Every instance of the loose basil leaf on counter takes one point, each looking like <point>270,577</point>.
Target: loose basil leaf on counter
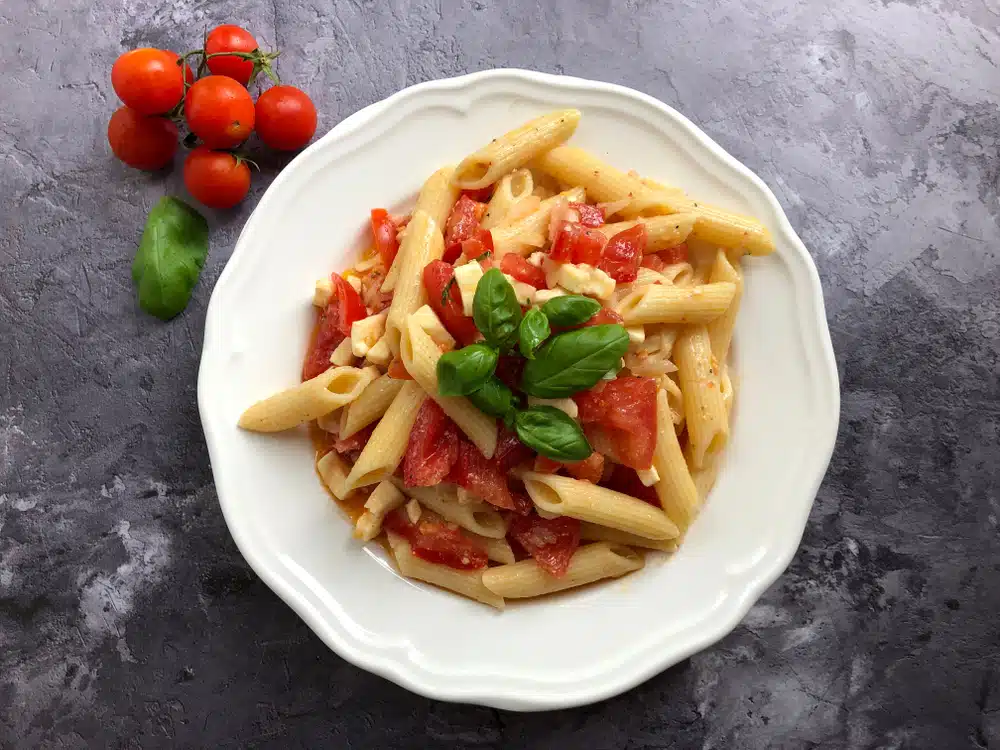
<point>574,361</point>
<point>462,371</point>
<point>494,398</point>
<point>570,310</point>
<point>533,331</point>
<point>170,257</point>
<point>495,310</point>
<point>552,433</point>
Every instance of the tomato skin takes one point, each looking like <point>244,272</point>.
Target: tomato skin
<point>551,542</point>
<point>352,309</point>
<point>590,216</point>
<point>575,243</point>
<point>439,543</point>
<point>141,141</point>
<point>590,469</point>
<point>510,451</point>
<point>397,370</point>
<point>328,338</point>
<point>230,38</point>
<point>653,261</point>
<point>355,442</point>
<point>480,195</point>
<point>148,80</point>
<point>219,111</point>
<point>623,254</point>
<point>624,479</point>
<point>626,408</point>
<point>484,479</point>
<point>285,118</point>
<point>384,232</point>
<point>516,266</point>
<point>216,178</point>
<point>432,448</point>
<point>437,276</point>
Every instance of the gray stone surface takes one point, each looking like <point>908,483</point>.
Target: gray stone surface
<point>129,619</point>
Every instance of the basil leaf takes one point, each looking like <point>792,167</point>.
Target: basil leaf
<point>495,310</point>
<point>570,310</point>
<point>574,361</point>
<point>170,257</point>
<point>552,433</point>
<point>533,331</point>
<point>494,398</point>
<point>464,370</point>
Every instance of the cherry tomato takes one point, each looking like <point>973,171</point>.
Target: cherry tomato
<point>219,111</point>
<point>216,178</point>
<point>286,118</point>
<point>141,141</point>
<point>148,80</point>
<point>188,73</point>
<point>229,38</point>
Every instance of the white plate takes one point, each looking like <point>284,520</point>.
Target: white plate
<point>583,646</point>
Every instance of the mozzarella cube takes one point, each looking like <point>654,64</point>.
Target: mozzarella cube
<point>323,292</point>
<point>566,405</point>
<point>636,335</point>
<point>580,279</point>
<point>366,332</point>
<point>355,281</point>
<point>537,259</point>
<point>467,279</point>
<point>413,510</point>
<point>544,295</point>
<point>429,322</point>
<point>380,354</point>
<point>525,293</point>
<point>649,476</point>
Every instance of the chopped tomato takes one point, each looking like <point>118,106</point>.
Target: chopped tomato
<point>327,338</point>
<point>623,254</point>
<point>443,544</point>
<point>516,266</point>
<point>384,231</point>
<point>624,479</point>
<point>509,369</point>
<point>590,216</point>
<point>626,408</point>
<point>575,243</point>
<point>352,308</point>
<point>439,276</point>
<point>676,254</point>
<point>591,469</point>
<point>432,449</point>
<point>653,261</point>
<point>464,220</point>
<point>397,370</point>
<point>545,465</point>
<point>481,195</point>
<point>550,541</point>
<point>510,451</point>
<point>473,248</point>
<point>604,316</point>
<point>355,442</point>
<point>484,479</point>
<point>371,290</point>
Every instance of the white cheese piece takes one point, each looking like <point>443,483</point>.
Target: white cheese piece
<point>525,293</point>
<point>544,295</point>
<point>536,259</point>
<point>649,476</point>
<point>413,510</point>
<point>566,405</point>
<point>323,292</point>
<point>426,318</point>
<point>343,356</point>
<point>366,332</point>
<point>355,281</point>
<point>380,354</point>
<point>579,279</point>
<point>467,279</point>
<point>636,334</point>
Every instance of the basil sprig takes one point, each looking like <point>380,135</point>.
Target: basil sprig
<point>574,361</point>
<point>464,370</point>
<point>533,331</point>
<point>495,310</point>
<point>570,310</point>
<point>551,433</point>
<point>494,398</point>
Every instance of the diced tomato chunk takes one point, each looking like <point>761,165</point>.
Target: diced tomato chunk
<point>516,266</point>
<point>384,232</point>
<point>624,479</point>
<point>509,369</point>
<point>352,308</point>
<point>510,451</point>
<point>626,408</point>
<point>397,370</point>
<point>355,442</point>
<point>589,469</point>
<point>551,542</point>
<point>623,254</point>
<point>440,543</point>
<point>483,478</point>
<point>438,276</point>
<point>481,195</point>
<point>604,316</point>
<point>676,254</point>
<point>432,448</point>
<point>464,220</point>
<point>575,243</point>
<point>545,465</point>
<point>327,338</point>
<point>653,261</point>
<point>590,216</point>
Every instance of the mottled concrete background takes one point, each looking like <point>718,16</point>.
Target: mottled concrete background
<point>129,619</point>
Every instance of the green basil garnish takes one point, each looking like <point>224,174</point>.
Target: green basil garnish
<point>574,361</point>
<point>533,331</point>
<point>552,433</point>
<point>494,398</point>
<point>170,256</point>
<point>495,310</point>
<point>464,370</point>
<point>570,310</point>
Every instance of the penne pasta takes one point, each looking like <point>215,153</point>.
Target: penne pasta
<point>478,517</point>
<point>531,232</point>
<point>387,444</point>
<point>720,330</point>
<point>369,406</point>
<point>468,583</point>
<point>512,189</point>
<point>662,232</point>
<point>704,478</point>
<point>424,243</point>
<point>515,149</point>
<point>305,402</point>
<point>663,303</point>
<point>333,470</point>
<point>592,532</point>
<point>704,411</point>
<point>385,499</point>
<point>675,488</point>
<point>721,227</point>
<point>589,563</point>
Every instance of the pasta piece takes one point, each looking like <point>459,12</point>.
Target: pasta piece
<point>675,399</point>
<point>424,243</point>
<point>704,478</point>
<point>720,330</point>
<point>343,355</point>
<point>369,406</point>
<point>478,517</point>
<point>305,402</point>
<point>331,422</point>
<point>512,189</point>
<point>662,303</point>
<point>704,412</point>
<point>675,488</point>
<point>721,227</point>
<point>662,232</point>
<point>531,232</point>
<point>497,550</point>
<point>385,499</point>
<point>465,582</point>
<point>678,274</point>
<point>562,496</point>
<point>592,532</point>
<point>387,444</point>
<point>333,470</point>
<point>515,149</point>
<point>420,356</point>
<point>590,563</point>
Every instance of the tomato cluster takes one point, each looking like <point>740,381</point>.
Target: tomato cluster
<point>161,92</point>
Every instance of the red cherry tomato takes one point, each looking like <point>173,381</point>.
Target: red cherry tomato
<point>148,80</point>
<point>219,111</point>
<point>516,266</point>
<point>575,243</point>
<point>352,308</point>
<point>623,254</point>
<point>439,276</point>
<point>286,118</point>
<point>143,142</point>
<point>384,232</point>
<point>230,38</point>
<point>216,178</point>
